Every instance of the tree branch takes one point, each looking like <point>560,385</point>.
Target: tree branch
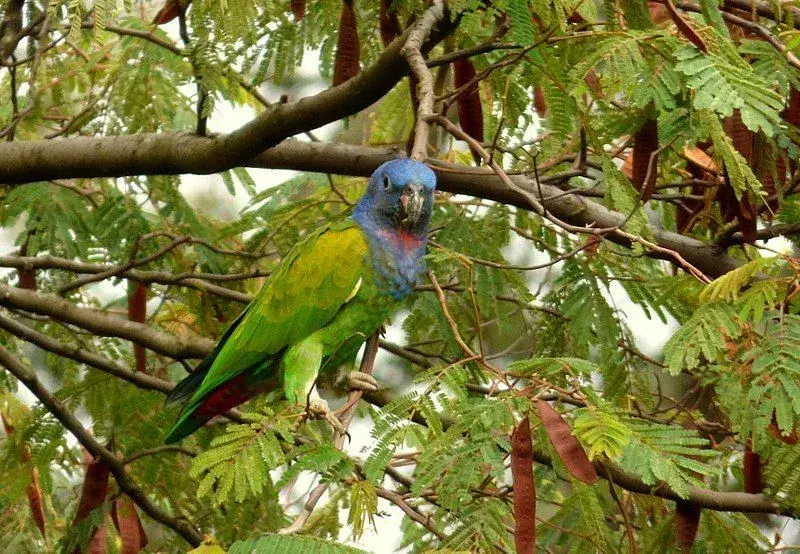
<point>346,159</point>
<point>177,153</point>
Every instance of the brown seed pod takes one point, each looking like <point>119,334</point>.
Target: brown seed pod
<point>348,49</point>
<point>137,311</point>
<point>93,495</point>
<point>792,112</point>
<point>470,111</point>
<point>389,24</point>
<point>128,525</point>
<point>569,450</point>
<point>298,9</point>
<point>35,502</point>
<point>645,145</point>
<point>753,482</point>
<point>171,10</point>
<point>539,102</point>
<point>687,517</point>
<point>524,488</point>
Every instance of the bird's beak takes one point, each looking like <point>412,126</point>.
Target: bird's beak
<point>411,202</point>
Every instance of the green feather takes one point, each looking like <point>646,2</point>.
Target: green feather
<point>321,299</point>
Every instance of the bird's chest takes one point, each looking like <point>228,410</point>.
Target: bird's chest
<point>397,262</point>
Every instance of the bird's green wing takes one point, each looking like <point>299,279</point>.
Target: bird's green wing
<point>310,285</point>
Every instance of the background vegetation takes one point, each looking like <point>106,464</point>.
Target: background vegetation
<point>596,160</point>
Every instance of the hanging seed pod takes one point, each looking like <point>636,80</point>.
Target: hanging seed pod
<point>129,526</point>
<point>753,482</point>
<point>35,501</point>
<point>687,517</point>
<point>137,311</point>
<point>389,24</point>
<point>645,144</point>
<point>569,450</point>
<point>658,13</point>
<point>346,64</point>
<point>27,278</point>
<point>470,111</point>
<point>524,488</point>
<point>93,495</point>
<point>792,112</point>
<point>539,102</point>
<point>171,10</point>
<point>298,9</point>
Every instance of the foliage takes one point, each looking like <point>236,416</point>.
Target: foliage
<point>662,375</point>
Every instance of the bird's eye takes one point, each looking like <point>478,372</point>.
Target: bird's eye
<point>387,183</point>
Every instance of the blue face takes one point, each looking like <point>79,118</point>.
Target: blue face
<point>401,192</point>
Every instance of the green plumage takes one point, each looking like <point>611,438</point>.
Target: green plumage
<point>314,313</point>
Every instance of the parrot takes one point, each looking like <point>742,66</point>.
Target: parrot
<point>334,288</point>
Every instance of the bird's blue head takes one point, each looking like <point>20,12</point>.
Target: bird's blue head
<point>399,196</point>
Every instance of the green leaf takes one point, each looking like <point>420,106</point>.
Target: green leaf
<point>290,544</point>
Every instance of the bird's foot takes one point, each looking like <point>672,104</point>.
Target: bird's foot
<point>318,409</point>
<point>358,380</point>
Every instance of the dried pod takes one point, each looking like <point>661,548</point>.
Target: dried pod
<point>470,111</point>
<point>524,488</point>
<point>753,482</point>
<point>792,112</point>
<point>137,311</point>
<point>27,278</point>
<point>348,49</point>
<point>171,10</point>
<point>732,207</point>
<point>298,9</point>
<point>569,450</point>
<point>35,501</point>
<point>658,13</point>
<point>128,525</point>
<point>93,495</point>
<point>687,517</point>
<point>645,146</point>
<point>539,102</point>
<point>389,25</point>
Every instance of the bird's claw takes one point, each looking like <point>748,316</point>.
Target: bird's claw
<point>358,380</point>
<point>318,408</point>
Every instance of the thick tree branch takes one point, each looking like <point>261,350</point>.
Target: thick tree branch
<point>484,183</point>
<point>117,468</point>
<point>175,153</point>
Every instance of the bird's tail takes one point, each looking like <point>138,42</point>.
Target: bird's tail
<point>186,387</point>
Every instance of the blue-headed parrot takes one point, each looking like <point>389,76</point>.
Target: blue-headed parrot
<point>331,291</point>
